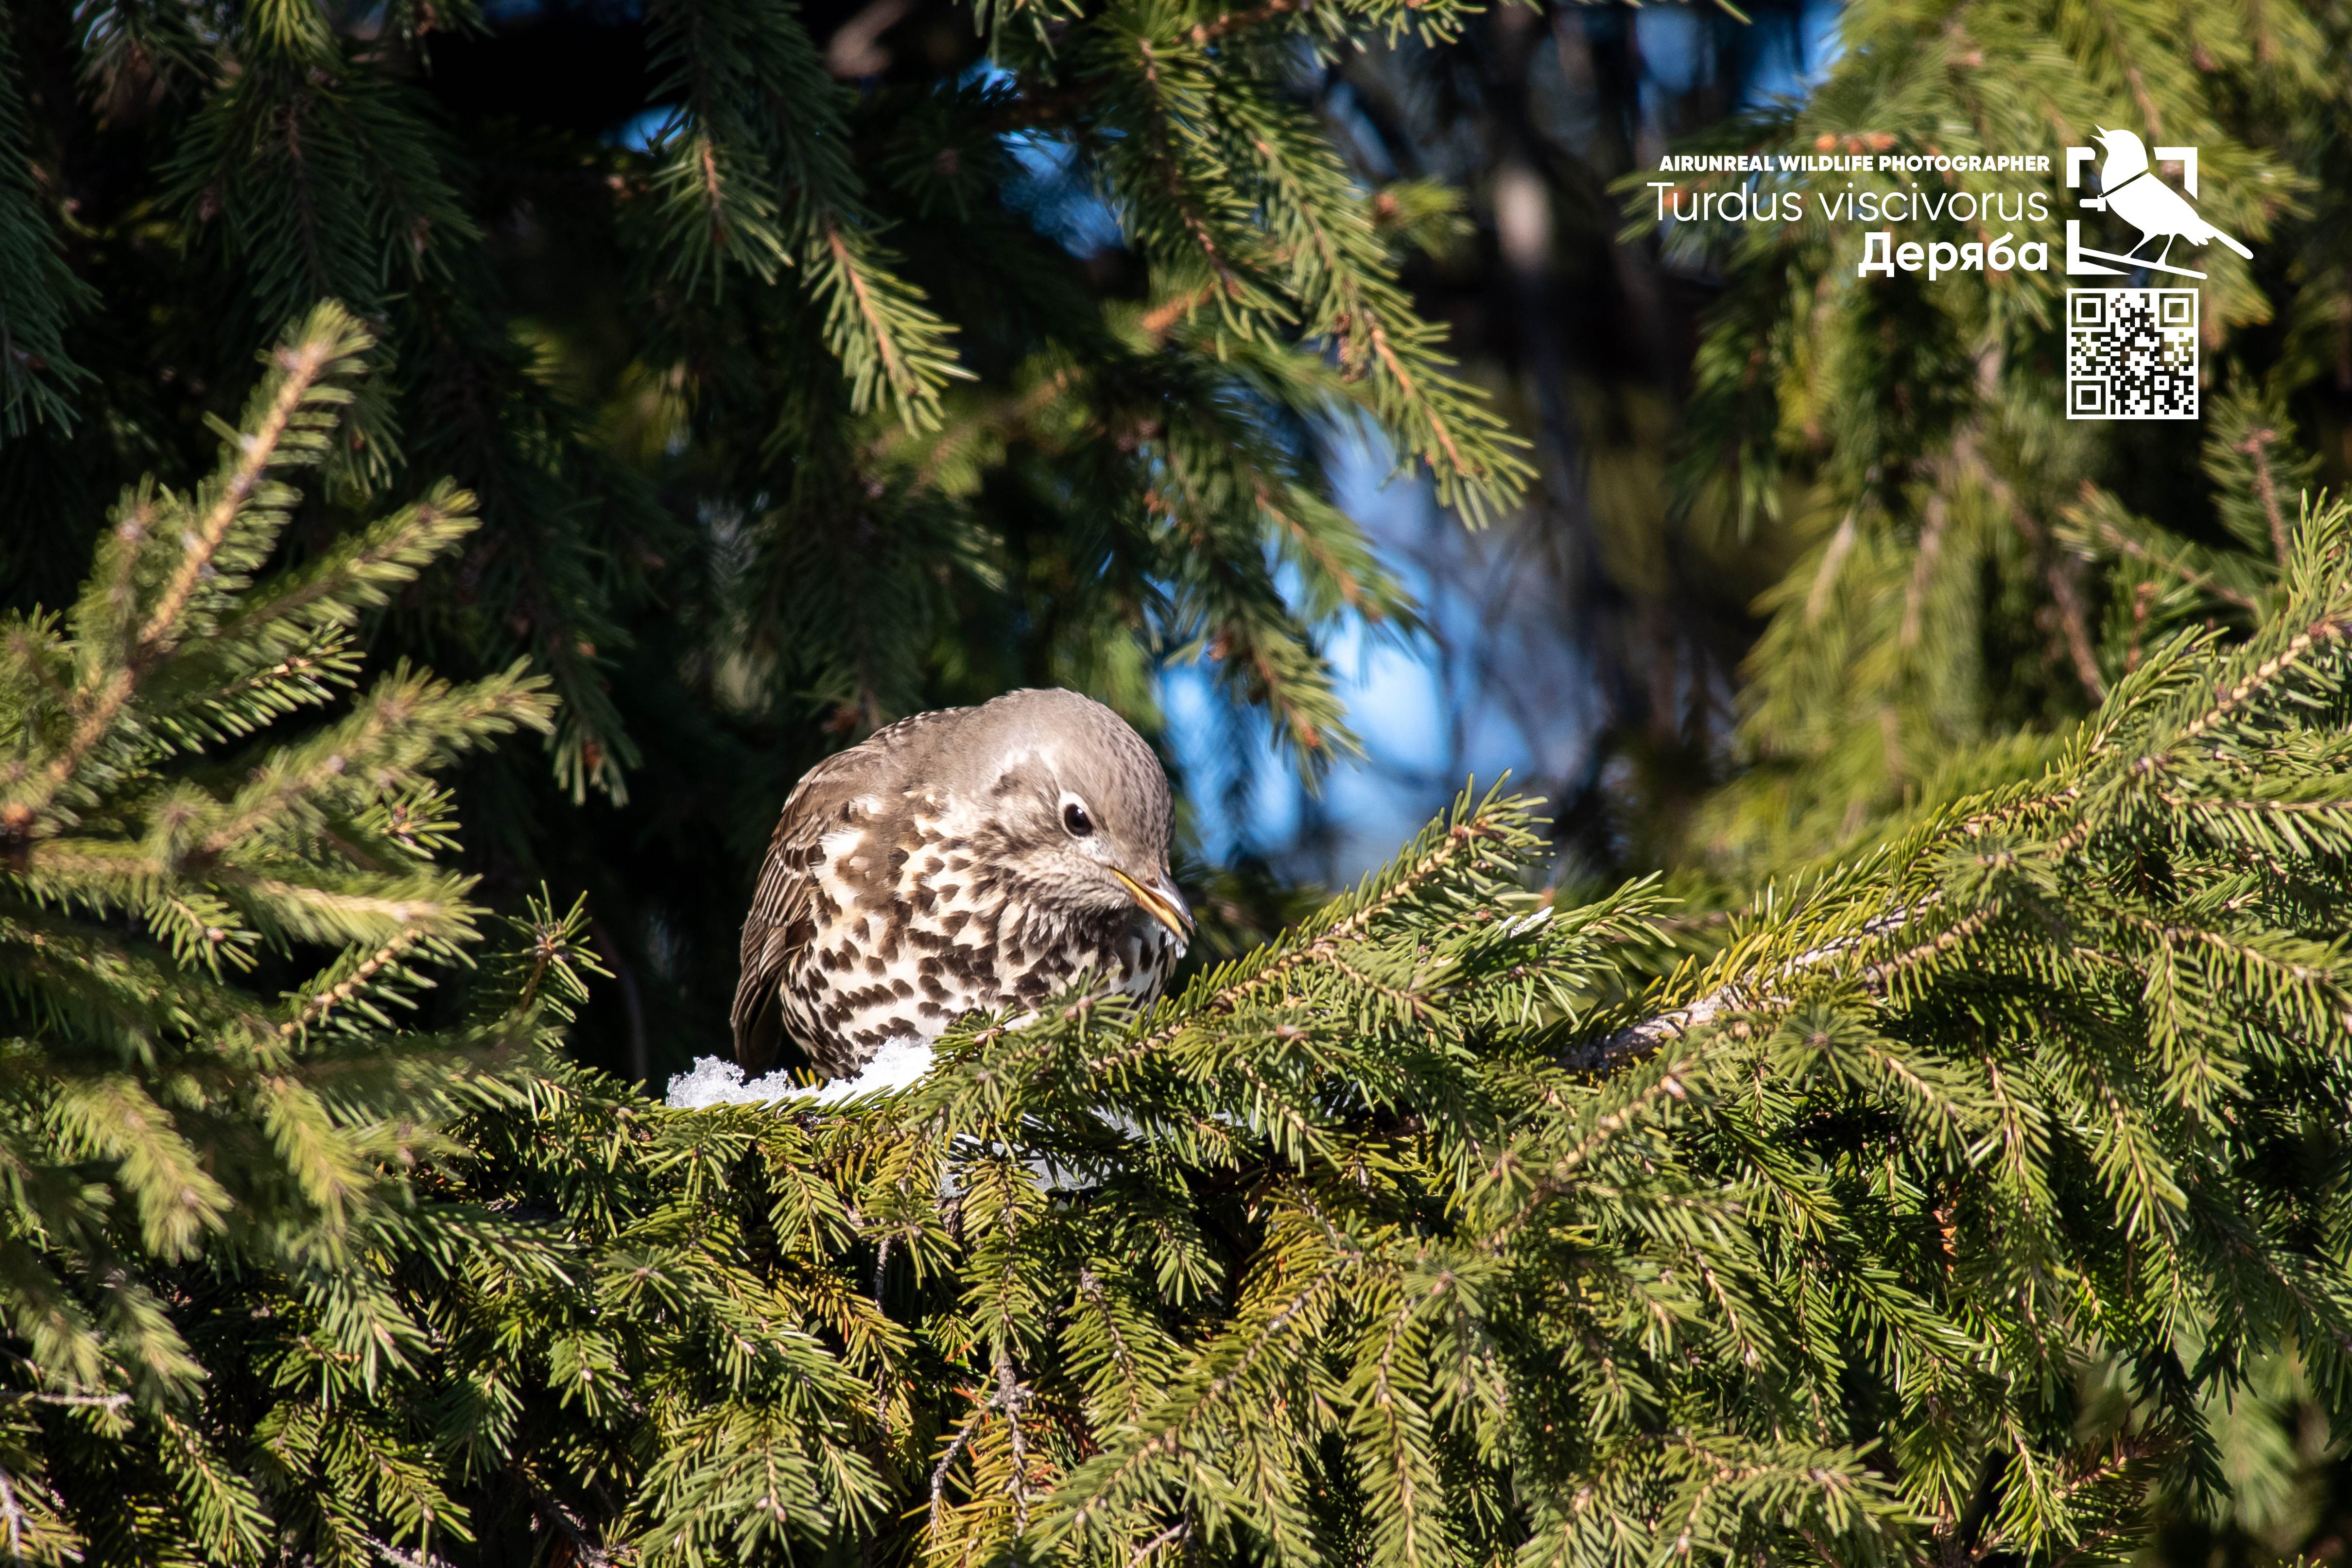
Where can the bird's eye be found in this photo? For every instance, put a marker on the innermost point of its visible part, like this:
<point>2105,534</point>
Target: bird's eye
<point>1075,818</point>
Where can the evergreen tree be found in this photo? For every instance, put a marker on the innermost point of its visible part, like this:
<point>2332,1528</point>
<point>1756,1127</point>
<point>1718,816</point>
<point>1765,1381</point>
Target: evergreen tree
<point>1958,1200</point>
<point>785,410</point>
<point>1972,1192</point>
<point>1964,572</point>
<point>170,1128</point>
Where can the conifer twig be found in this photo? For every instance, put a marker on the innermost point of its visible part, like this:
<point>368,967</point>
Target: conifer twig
<point>302,363</point>
<point>1012,1399</point>
<point>325,1001</point>
<point>2257,446</point>
<point>2116,539</point>
<point>68,1401</point>
<point>1732,996</point>
<point>2058,573</point>
<point>2320,634</point>
<point>1350,927</point>
<point>12,1514</point>
<point>1205,33</point>
<point>1175,1534</point>
<point>947,1461</point>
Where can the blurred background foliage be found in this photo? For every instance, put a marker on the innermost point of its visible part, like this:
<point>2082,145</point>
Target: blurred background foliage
<point>809,376</point>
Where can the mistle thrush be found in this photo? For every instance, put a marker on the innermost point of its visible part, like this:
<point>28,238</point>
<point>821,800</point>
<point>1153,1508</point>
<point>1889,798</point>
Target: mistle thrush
<point>968,860</point>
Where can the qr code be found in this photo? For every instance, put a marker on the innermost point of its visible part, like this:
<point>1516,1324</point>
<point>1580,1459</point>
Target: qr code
<point>2131,353</point>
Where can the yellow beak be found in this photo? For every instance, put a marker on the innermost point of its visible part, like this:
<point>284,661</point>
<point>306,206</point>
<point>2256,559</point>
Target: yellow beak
<point>1159,900</point>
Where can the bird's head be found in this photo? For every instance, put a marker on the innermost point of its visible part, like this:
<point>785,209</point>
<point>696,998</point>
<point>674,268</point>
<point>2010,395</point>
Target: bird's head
<point>2124,150</point>
<point>1082,805</point>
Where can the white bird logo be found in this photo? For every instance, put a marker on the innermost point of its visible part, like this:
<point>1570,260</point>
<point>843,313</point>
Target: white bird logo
<point>2128,189</point>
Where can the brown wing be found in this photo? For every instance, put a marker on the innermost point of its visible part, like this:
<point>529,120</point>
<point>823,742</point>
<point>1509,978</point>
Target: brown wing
<point>782,918</point>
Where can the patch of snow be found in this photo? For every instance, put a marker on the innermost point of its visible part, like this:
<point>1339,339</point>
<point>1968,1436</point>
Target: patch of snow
<point>900,1064</point>
<point>715,1080</point>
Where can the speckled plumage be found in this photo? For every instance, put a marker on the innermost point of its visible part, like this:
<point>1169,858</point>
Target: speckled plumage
<point>937,869</point>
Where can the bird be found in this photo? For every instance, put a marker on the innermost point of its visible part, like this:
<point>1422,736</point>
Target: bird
<point>2128,189</point>
<point>968,859</point>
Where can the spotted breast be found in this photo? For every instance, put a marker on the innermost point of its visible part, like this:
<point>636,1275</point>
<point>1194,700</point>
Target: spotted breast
<point>968,859</point>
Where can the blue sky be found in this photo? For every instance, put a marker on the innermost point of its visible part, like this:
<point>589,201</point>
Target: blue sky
<point>1493,685</point>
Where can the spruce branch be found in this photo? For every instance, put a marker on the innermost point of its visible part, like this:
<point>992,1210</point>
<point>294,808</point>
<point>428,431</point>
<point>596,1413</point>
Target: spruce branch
<point>287,411</point>
<point>163,1124</point>
<point>1176,1535</point>
<point>1335,1256</point>
<point>2095,524</point>
<point>1472,831</point>
<point>329,342</point>
<point>2256,444</point>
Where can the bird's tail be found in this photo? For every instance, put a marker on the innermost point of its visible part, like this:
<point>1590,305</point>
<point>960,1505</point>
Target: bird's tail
<point>2233,244</point>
